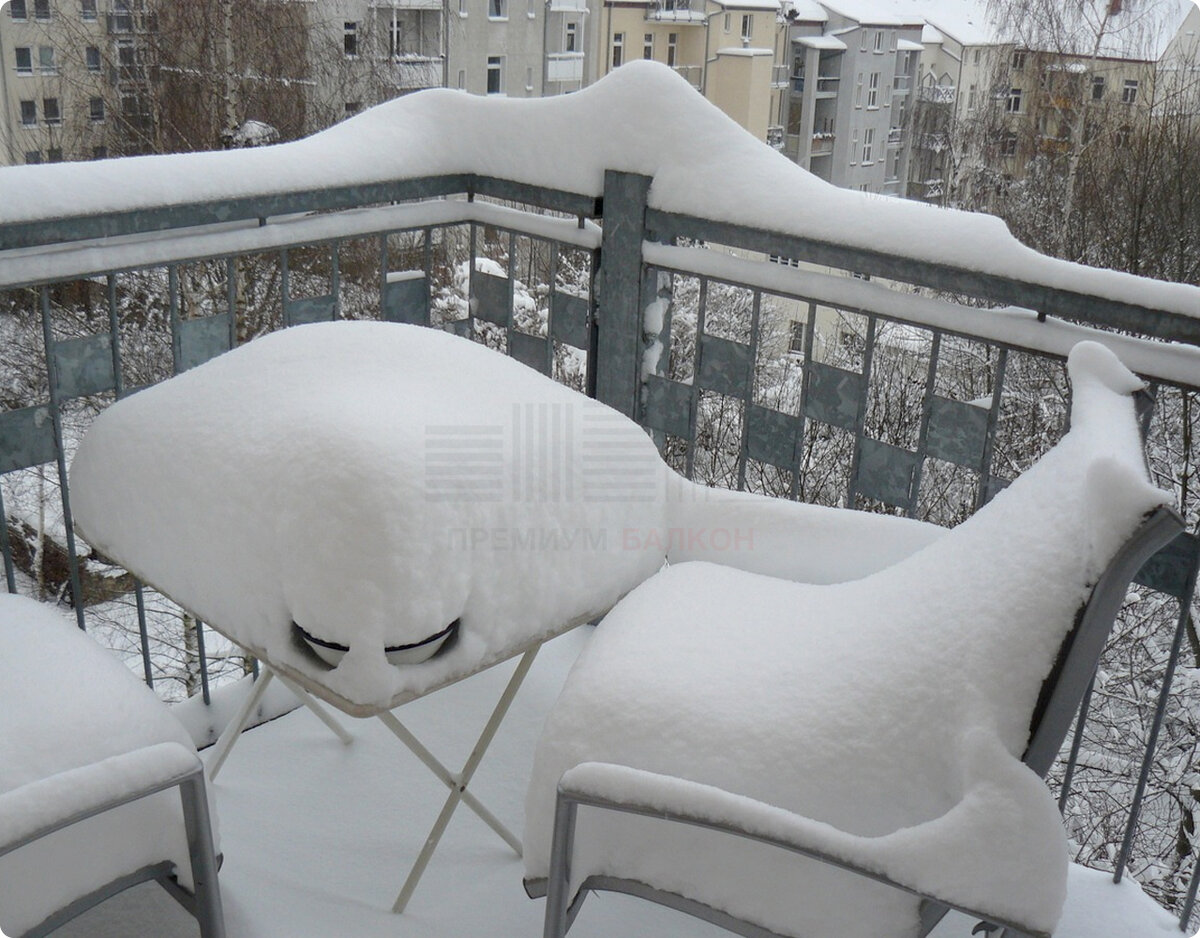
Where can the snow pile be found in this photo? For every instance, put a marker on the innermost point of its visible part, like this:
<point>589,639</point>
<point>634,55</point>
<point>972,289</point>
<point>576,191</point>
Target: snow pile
<point>894,708</point>
<point>372,483</point>
<point>70,716</point>
<point>641,118</point>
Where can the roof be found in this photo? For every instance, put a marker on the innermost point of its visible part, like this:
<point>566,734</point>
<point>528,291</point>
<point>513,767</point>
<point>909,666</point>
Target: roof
<point>809,11</point>
<point>821,42</point>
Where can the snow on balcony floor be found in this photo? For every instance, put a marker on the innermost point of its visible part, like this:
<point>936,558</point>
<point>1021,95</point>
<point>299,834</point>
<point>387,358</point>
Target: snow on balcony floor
<point>318,837</point>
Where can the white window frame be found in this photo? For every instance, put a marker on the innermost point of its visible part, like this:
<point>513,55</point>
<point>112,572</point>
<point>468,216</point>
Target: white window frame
<point>87,10</point>
<point>571,36</point>
<point>24,69</point>
<point>858,91</point>
<point>873,91</point>
<point>1013,104</point>
<point>46,63</point>
<point>672,49</point>
<point>28,115</point>
<point>52,116</point>
<point>350,39</point>
<point>868,150</point>
<point>497,9</point>
<point>648,46</point>
<point>19,14</point>
<point>96,115</point>
<point>617,59</point>
<point>878,41</point>
<point>495,66</point>
<point>1129,92</point>
<point>747,27</point>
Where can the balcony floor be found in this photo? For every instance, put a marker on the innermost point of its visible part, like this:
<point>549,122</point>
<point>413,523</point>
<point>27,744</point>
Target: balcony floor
<point>318,837</point>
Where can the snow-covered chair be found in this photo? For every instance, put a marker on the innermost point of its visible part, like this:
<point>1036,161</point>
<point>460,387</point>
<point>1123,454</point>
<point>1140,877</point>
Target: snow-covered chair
<point>851,759</point>
<point>88,761</point>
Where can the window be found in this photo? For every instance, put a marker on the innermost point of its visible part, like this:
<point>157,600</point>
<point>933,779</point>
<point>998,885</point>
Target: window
<point>879,40</point>
<point>1097,87</point>
<point>33,156</point>
<point>529,80</point>
<point>350,108</point>
<point>906,63</point>
<point>96,109</point>
<point>572,41</point>
<point>462,78</point>
<point>51,112</point>
<point>796,339</point>
<point>24,59</point>
<point>87,9</point>
<point>28,113</point>
<point>497,9</point>
<point>99,153</point>
<point>972,97</point>
<point>495,74</point>
<point>1129,92</point>
<point>648,46</point>
<point>868,146</point>
<point>728,22</point>
<point>1018,61</point>
<point>41,9</point>
<point>873,90</point>
<point>672,48</point>
<point>854,148</point>
<point>976,62</point>
<point>858,86</point>
<point>863,46</point>
<point>17,10</point>
<point>1008,145</point>
<point>462,7</point>
<point>747,27</point>
<point>1013,104</point>
<point>92,56</point>
<point>54,155</point>
<point>618,49</point>
<point>350,39</point>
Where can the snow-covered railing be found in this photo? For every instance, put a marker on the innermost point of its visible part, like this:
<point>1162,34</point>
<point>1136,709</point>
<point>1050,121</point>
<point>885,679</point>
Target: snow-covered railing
<point>770,331</point>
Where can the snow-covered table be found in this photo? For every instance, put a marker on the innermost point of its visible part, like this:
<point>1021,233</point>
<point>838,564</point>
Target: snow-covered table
<point>87,758</point>
<point>879,722</point>
<point>376,486</point>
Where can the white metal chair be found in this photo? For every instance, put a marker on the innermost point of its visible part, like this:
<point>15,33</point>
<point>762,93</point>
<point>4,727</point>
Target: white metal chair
<point>854,759</point>
<point>89,759</point>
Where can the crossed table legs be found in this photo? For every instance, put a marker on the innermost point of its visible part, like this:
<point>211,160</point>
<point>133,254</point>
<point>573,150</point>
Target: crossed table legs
<point>456,782</point>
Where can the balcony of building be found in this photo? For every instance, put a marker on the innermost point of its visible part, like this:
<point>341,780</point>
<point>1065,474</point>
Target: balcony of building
<point>564,66</point>
<point>937,94</point>
<point>562,236</point>
<point>677,11</point>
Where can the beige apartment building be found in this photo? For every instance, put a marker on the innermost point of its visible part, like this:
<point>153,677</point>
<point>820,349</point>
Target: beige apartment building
<point>729,51</point>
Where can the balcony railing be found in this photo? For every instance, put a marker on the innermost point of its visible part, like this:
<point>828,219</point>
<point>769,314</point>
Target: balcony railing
<point>901,400</point>
<point>822,144</point>
<point>895,137</point>
<point>937,94</point>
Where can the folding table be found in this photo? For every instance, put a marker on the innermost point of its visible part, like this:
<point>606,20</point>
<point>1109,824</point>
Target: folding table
<point>370,485</point>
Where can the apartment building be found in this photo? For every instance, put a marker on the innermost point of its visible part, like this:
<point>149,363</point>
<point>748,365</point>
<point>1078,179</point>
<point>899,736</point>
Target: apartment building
<point>729,50</point>
<point>854,67</point>
<point>73,79</point>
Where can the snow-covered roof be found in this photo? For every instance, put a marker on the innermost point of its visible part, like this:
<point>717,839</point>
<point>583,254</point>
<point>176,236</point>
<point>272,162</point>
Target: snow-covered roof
<point>822,42</point>
<point>809,11</point>
<point>875,12</point>
<point>642,118</point>
<point>907,45</point>
<point>749,4</point>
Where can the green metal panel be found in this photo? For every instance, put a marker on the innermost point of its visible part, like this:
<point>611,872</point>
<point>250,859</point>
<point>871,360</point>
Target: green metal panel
<point>771,436</point>
<point>26,438</point>
<point>1169,570</point>
<point>569,319</point>
<point>84,366</point>
<point>310,309</point>
<point>407,301</point>
<point>957,432</point>
<point>202,339</point>
<point>725,367</point>
<point>530,350</point>
<point>834,395</point>
<point>668,406</point>
<point>491,298</point>
<point>885,472</point>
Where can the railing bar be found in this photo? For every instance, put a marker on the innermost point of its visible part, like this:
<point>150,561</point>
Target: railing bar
<point>914,492</point>
<point>285,286</point>
<point>593,325</point>
<point>860,419</point>
<point>10,576</point>
<point>1160,712</point>
<point>510,326</point>
<point>473,247</point>
<point>694,401</point>
<point>203,656</point>
<point>427,234</point>
<point>114,333</point>
<point>989,438</point>
<point>1076,742</point>
<point>231,291</point>
<point>335,277</point>
<point>748,392</point>
<point>173,307</point>
<point>143,632</point>
<point>61,458</point>
<point>1189,902</point>
<point>552,276</point>
<point>802,421</point>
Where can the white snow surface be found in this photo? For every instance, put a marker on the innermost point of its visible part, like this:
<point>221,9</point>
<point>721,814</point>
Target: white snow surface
<point>76,728</point>
<point>641,118</point>
<point>318,837</point>
<point>917,681</point>
<point>374,482</point>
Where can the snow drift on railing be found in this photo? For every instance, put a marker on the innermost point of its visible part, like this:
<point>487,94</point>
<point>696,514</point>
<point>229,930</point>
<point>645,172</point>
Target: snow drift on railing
<point>642,118</point>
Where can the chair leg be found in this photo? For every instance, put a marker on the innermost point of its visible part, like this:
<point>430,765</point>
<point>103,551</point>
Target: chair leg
<point>233,730</point>
<point>558,885</point>
<point>198,823</point>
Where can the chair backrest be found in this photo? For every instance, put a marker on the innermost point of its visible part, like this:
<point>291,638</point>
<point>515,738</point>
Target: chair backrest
<point>1079,655</point>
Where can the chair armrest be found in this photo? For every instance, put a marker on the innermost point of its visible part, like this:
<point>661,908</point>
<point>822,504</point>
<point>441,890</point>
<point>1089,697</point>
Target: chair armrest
<point>625,789</point>
<point>790,540</point>
<point>41,807</point>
